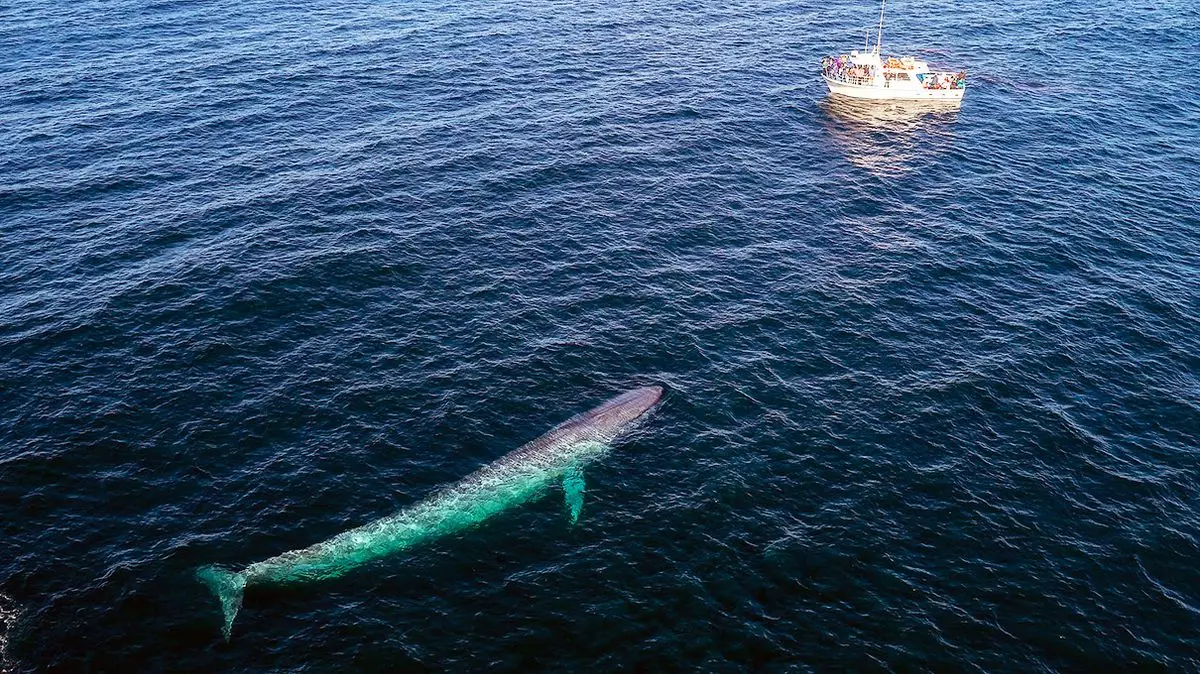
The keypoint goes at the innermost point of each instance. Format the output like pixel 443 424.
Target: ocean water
pixel 269 271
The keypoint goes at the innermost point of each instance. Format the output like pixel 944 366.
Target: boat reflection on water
pixel 889 136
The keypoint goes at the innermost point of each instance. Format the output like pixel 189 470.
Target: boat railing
pixel 850 79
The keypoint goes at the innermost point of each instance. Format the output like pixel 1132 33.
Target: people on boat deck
pixel 946 81
pixel 841 68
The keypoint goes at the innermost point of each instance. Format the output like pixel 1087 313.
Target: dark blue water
pixel 269 272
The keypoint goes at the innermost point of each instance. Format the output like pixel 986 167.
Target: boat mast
pixel 879 39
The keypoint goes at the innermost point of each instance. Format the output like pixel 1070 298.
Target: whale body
pixel 515 478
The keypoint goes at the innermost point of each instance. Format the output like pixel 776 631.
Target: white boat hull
pixel 912 93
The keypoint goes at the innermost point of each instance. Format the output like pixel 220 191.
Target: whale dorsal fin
pixel 573 490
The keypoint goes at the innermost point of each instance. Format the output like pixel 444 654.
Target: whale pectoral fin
pixel 573 490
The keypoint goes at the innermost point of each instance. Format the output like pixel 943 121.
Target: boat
pixel 869 74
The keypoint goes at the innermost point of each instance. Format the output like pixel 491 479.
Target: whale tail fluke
pixel 228 586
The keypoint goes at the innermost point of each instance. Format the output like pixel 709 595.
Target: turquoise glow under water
pixel 439 515
pixel 491 490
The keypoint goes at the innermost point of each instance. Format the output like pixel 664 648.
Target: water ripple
pixel 268 272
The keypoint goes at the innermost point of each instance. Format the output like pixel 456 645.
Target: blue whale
pixel 516 478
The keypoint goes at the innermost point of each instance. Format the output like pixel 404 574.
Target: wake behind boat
pixel 868 74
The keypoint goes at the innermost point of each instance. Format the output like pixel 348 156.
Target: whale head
pixel 613 416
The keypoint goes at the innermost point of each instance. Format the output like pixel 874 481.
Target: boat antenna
pixel 879 39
